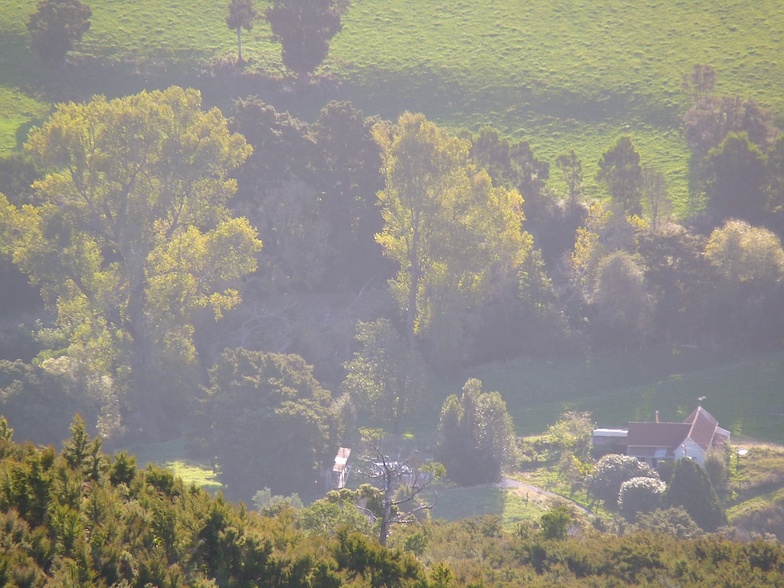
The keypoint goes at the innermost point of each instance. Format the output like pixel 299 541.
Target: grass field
pixel 562 74
pixel 171 455
pixel 510 505
pixel 743 393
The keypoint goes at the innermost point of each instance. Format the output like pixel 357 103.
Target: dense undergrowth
pixel 80 517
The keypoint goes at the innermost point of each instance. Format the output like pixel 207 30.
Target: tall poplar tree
pixel 453 235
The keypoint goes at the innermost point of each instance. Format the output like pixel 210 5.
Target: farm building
pixel 653 441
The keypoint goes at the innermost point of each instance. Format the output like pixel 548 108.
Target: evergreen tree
pixel 620 171
pixel 478 439
pixel 691 489
pixel 56 25
pixel 304 29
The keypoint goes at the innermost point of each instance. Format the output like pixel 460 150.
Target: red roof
pixel 645 438
pixel 703 427
pixel 668 435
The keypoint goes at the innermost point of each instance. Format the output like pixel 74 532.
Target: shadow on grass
pixel 510 505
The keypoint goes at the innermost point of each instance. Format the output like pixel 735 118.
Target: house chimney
pixel 657 416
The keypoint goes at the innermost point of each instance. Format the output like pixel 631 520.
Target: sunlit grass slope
pixel 562 74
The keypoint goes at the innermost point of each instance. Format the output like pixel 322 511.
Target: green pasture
pixel 743 393
pixel 562 74
pixel 172 456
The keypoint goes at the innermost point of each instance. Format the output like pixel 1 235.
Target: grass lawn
pixel 171 456
pixel 510 505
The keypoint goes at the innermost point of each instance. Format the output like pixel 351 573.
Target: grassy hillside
pixel 561 74
pixel 744 394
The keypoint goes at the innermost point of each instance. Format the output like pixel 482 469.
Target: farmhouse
pixel 654 441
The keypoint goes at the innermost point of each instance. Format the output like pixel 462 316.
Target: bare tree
pixel 399 484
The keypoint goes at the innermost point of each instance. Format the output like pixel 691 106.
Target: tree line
pixel 304 28
pixel 389 250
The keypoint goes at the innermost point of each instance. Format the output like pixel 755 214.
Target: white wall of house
pixel 691 450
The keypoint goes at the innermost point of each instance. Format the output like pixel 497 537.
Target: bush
pixel 613 470
pixel 640 495
pixel 672 521
pixel 555 522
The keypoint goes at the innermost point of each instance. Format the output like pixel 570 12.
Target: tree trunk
pixel 149 415
pixel 239 44
pixel 386 523
pixel 411 311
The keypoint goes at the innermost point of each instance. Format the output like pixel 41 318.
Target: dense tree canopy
pixel 56 25
pixel 678 276
pixel 269 423
pixel 750 265
pixel 385 377
pixel 311 191
pixel 132 235
pixel 624 307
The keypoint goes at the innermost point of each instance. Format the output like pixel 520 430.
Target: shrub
pixel 640 495
pixel 672 521
pixel 613 470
